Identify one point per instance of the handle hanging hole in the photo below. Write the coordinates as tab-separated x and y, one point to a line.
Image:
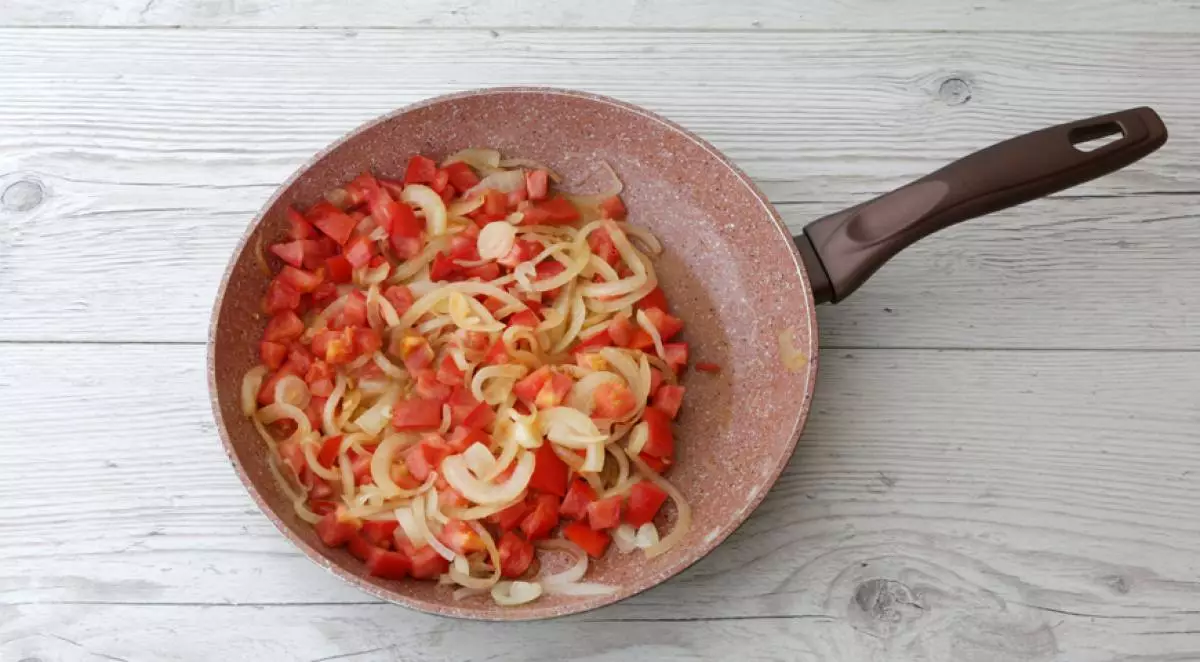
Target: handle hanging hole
1092	137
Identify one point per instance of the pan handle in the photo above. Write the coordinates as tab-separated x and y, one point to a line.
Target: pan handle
842	250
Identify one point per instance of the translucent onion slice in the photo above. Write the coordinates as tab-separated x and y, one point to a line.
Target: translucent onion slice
419	515
462	593
581	394
480	512
593	462
496	240
251	384
511	594
430	203
501	380
310	447
280	410
505	181
571	574
625	538
652	331
443	291
569	427
460	208
479	460
461	574
591	200
455	471
415	264
376	418
480	158
382	460
647	536
408	523
433	507
293	391
638	437
329	423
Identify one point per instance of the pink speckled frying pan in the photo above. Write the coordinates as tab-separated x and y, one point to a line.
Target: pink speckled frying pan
744	286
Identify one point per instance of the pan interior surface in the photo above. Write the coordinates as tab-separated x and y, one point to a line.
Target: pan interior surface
728	268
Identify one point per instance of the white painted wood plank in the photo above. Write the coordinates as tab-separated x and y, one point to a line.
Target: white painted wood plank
1035	505
981	15
154	148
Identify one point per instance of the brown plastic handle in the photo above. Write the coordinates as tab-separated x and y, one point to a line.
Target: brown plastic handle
842	250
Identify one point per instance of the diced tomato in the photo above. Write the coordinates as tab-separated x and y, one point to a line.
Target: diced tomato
593	542
293	455
542	519
354	311
677	355
448	371
360	188
298	226
335	223
655	299
462	177
495	205
337	528
387	213
405	247
389	565
707	366
329	451
464	247
476	340
318	488
441	181
554	392
380	532
509	517
621	329
601	339
556	210
272	354
426	456
430	388
466	410
283	327
360	467
612	400
449	497
359	251
612	207
300	280
523	250
292	252
361	548
668	398
394	188
549	472
339	269
516	554
575	504
605	513
323	507
645	498
656	380
547	269
280	297
496	354
666	325
537	184
367	340
324	294
528	387
444	268
660	442
336	347
319	378
602	245
483	272
460	537
515	198
299	357
266	393
524	318
426	563
421	170
400	297
417	414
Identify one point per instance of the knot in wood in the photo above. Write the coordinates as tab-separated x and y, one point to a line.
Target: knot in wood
954	91
22	195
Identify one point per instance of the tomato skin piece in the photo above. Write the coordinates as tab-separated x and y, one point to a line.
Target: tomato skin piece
420	170
333	222
595	543
655	299
337	528
549	471
510	517
283	327
388	565
417	414
272	354
542	519
462	177
516	555
668	399
645	499
660	441
579	497
537	184
613	207
612	400
605	513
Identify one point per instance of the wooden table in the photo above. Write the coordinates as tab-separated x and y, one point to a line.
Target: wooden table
1004	453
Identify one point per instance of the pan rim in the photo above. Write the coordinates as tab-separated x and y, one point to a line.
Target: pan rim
531	612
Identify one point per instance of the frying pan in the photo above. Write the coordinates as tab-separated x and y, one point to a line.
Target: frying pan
744	286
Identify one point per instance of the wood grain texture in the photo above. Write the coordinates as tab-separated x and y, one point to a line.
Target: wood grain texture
966	505
133	159
981	15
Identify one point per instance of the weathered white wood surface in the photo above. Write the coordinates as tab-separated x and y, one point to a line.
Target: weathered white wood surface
981	15
966	505
1030	495
153	148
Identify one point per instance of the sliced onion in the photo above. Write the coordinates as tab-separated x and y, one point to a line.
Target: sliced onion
511	594
647	535
310	457
504	181
496	240
480	512
456	473
569	427
652	331
594	199
502	377
683	511
382	460
433	507
376	418
460	570
593	462
638	437
260	257
625	538
418	513
293	391
251	384
430	203
581	394
479	459
280	410
329	423
480	158
460	208
571	574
